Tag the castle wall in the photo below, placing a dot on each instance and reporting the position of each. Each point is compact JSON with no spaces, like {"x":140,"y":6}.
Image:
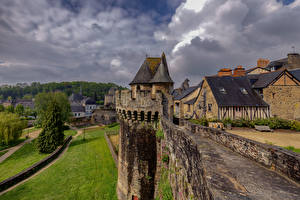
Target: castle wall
{"x":137,"y":161}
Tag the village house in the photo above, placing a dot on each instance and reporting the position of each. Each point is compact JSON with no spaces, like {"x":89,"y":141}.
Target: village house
{"x":291,"y":62}
{"x":78,"y":103}
{"x":229,"y":95}
{"x":281,"y":90}
{"x":260,"y":67}
{"x":184,"y":98}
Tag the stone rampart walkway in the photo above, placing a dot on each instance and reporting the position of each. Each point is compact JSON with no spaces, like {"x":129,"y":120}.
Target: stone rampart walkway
{"x":232,"y":176}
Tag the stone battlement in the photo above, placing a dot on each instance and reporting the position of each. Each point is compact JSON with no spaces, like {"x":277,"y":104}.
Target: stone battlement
{"x":144,"y":107}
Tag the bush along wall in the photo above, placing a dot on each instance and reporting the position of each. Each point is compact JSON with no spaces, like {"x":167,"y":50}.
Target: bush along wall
{"x":273,"y":123}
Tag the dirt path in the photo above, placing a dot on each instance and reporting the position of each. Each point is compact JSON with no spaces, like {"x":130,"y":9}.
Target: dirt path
{"x":281,"y":138}
{"x":12,"y":150}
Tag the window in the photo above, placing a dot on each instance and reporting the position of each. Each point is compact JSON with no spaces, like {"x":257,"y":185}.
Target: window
{"x":244,"y":91}
{"x":209,"y":107}
{"x":189,"y":108}
{"x":222,"y":90}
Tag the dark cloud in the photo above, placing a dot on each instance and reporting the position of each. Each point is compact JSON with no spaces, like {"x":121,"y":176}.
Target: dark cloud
{"x":106,"y":41}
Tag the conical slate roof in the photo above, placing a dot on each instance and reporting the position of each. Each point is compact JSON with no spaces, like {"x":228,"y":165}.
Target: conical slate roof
{"x":153,"y":70}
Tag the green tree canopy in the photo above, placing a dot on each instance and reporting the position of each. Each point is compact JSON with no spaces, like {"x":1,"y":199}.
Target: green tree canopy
{"x":42,"y":101}
{"x":19,"y":109}
{"x":52,"y":134}
{"x":10,"y":109}
{"x":11,"y":127}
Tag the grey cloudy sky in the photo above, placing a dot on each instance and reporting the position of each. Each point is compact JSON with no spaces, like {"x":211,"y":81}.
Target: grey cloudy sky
{"x":106,"y":41}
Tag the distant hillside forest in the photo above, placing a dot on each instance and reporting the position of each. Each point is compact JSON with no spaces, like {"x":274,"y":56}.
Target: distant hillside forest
{"x":28,"y":91}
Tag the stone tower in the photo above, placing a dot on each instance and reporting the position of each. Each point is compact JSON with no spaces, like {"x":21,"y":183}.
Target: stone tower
{"x":139,"y":110}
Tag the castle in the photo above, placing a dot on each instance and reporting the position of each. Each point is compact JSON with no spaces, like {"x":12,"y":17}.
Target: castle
{"x":200,"y":161}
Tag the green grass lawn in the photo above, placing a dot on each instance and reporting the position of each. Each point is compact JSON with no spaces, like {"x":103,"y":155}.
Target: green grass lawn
{"x":70,"y":132}
{"x":85,"y":171}
{"x":20,"y":160}
{"x":291,"y":148}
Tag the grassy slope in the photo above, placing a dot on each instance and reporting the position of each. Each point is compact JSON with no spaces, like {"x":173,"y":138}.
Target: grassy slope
{"x":85,"y":171}
{"x":23,"y":158}
{"x":20,"y":160}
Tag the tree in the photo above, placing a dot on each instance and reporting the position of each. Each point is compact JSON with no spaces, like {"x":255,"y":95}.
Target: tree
{"x":19,"y":109}
{"x":11,"y":127}
{"x":52,"y":134}
{"x":1,"y":108}
{"x":10,"y":109}
{"x":42,"y":100}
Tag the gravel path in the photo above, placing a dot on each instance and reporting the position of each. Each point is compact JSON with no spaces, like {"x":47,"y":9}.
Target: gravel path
{"x":281,"y":138}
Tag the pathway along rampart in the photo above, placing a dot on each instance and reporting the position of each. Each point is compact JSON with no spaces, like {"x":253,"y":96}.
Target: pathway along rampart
{"x":201,"y":168}
{"x":273,"y":157}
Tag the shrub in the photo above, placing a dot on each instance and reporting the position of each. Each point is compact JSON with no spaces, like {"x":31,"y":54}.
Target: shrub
{"x":160,"y":134}
{"x":295,"y":125}
{"x":113,"y":125}
{"x":202,"y":121}
{"x":165,"y":158}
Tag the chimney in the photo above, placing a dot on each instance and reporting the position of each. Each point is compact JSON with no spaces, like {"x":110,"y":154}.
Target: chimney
{"x":293,"y":61}
{"x":239,"y":71}
{"x":261,"y":62}
{"x":225,"y":72}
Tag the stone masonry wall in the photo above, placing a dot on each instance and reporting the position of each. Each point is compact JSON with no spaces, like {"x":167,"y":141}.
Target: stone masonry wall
{"x":137,"y":161}
{"x":284,"y":101}
{"x":186,"y":171}
{"x":275,"y":158}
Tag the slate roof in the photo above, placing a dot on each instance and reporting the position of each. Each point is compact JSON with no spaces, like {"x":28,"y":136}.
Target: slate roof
{"x":265,"y":79}
{"x":295,"y":73}
{"x":277,"y":63}
{"x":186,"y":92}
{"x":233,"y":95}
{"x":191,"y":102}
{"x":153,"y":70}
{"x":90,"y":101}
{"x":77,"y":108}
{"x":75,"y":97}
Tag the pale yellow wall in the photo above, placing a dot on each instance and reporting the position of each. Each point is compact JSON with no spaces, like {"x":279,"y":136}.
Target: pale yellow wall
{"x":258,"y":71}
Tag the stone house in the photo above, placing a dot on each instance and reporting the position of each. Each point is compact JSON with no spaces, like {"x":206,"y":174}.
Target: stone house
{"x":260,"y":67}
{"x":77,"y":110}
{"x":77,"y":100}
{"x":184,"y":98}
{"x":292,"y":61}
{"x":109,"y":98}
{"x":281,"y":90}
{"x":223,"y":97}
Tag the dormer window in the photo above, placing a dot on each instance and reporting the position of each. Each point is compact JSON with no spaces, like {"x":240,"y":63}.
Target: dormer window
{"x":222,"y":90}
{"x":244,"y":91}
